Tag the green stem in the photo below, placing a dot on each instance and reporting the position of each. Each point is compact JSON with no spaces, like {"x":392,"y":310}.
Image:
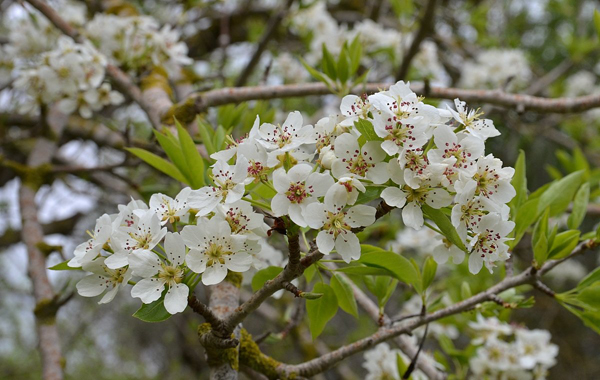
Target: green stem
{"x":257,"y":203}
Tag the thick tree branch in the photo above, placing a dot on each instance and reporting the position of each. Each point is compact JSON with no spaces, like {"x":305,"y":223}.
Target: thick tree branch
{"x":200,"y":102}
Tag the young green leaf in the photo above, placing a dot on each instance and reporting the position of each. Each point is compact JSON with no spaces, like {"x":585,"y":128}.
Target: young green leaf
{"x":158,"y":163}
{"x":400,"y":267}
{"x":465,"y":291}
{"x":328,"y":63}
{"x":64,"y":266}
{"x":153,"y":312}
{"x":564,"y":244}
{"x":597,"y":21}
{"x":591,"y":278}
{"x":539,"y":239}
{"x":172,"y":148}
{"x":195,"y":162}
{"x":263,"y":276}
{"x":321,"y":310}
{"x":366,"y":129}
{"x":316,"y":74}
{"x":580,"y":204}
{"x":560,"y":193}
{"x":526,"y":216}
{"x":206,"y":134}
{"x":365,"y":271}
{"x":445,"y":225}
{"x":519,"y":182}
{"x":429,"y":269}
{"x":342,"y":65}
{"x":344,"y":294}
{"x":355,"y":53}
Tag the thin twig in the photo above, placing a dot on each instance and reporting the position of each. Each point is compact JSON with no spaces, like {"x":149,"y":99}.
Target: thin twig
{"x":121,"y":79}
{"x":274,"y":23}
{"x":427,"y":26}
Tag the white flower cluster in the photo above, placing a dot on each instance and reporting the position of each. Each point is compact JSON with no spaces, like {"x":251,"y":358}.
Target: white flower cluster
{"x":381,"y":364}
{"x":509,"y":352}
{"x":451,"y":169}
{"x":136,"y":244}
{"x":316,"y":174}
{"x":137,"y":42}
{"x":379,"y":43}
{"x":495,"y":68}
{"x":72,"y":76}
{"x":31,"y":34}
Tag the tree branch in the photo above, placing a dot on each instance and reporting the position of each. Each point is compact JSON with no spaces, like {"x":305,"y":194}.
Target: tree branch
{"x":200,"y":102}
{"x":121,"y":79}
{"x":425,"y":363}
{"x":427,"y":27}
{"x":274,"y":23}
{"x":528,"y":276}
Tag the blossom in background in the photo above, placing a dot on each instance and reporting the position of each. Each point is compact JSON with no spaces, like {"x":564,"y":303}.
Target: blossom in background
{"x":496,"y":68}
{"x":507,"y":351}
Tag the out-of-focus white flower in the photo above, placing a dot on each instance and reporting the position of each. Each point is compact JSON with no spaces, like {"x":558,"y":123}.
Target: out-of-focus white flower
{"x":494,"y":68}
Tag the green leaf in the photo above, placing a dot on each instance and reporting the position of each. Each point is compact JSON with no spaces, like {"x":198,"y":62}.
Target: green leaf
{"x":580,"y":204}
{"x":391,"y":288}
{"x":355,"y":53}
{"x":328,"y":63}
{"x":264,"y":275}
{"x":371,"y":193}
{"x":465,"y":291}
{"x":401,"y":366}
{"x":64,"y":266}
{"x":321,"y":310}
{"x":365,"y":271}
{"x":219,"y":138}
{"x":400,"y":267}
{"x":597,"y":21}
{"x":519,"y":182}
{"x":315,"y":73}
{"x":559,"y":194}
{"x":194,"y":161}
{"x":342,"y":65}
{"x":564,"y":243}
{"x":344,"y":294}
{"x":153,"y":312}
{"x":445,"y":225}
{"x":309,"y":273}
{"x":206,"y":134}
{"x":171,"y":146}
{"x":158,"y":163}
{"x":591,"y":296}
{"x":526,"y":216}
{"x":367,"y":130}
{"x":539,"y":239}
{"x":429,"y":269}
{"x":591,"y":278}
